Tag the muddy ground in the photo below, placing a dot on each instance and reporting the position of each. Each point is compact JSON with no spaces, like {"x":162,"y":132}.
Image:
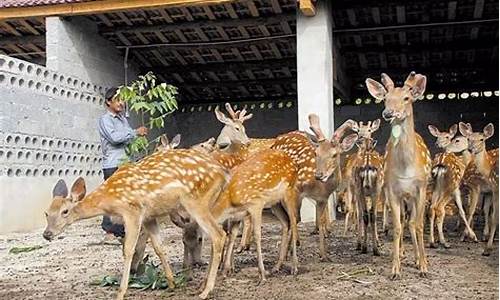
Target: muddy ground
{"x":64,"y":268}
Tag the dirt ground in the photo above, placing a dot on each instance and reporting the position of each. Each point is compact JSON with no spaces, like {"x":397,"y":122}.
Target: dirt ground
{"x":64,"y":268}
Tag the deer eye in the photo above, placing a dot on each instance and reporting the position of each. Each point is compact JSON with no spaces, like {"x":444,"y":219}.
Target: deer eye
{"x":406,"y":98}
{"x":65,"y":212}
{"x":237,"y":129}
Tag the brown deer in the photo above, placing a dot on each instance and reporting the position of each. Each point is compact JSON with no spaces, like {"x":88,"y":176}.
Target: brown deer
{"x":406,"y":164}
{"x":367,"y":181}
{"x":486,"y":165}
{"x":318,"y":169}
{"x":364,"y":131}
{"x":267,"y":179}
{"x":447,"y":173}
{"x":142,"y":192}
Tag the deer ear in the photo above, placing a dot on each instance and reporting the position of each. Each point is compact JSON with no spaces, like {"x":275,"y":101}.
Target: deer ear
{"x":78,"y":189}
{"x":453,"y":129}
{"x":375,"y":125}
{"x":433,"y":130}
{"x":465,"y":129}
{"x":376,"y":89}
{"x":348,"y":142}
{"x":175,"y":141}
{"x":164,"y":140}
{"x":221,"y":116}
{"x":418,"y":89}
{"x":60,"y":189}
{"x":488,"y":130}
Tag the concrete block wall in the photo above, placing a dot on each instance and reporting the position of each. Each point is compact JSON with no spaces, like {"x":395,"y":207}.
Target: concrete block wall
{"x":75,"y":47}
{"x":48,"y":124}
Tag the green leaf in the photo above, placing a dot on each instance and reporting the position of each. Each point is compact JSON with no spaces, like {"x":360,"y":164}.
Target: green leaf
{"x":17,"y":250}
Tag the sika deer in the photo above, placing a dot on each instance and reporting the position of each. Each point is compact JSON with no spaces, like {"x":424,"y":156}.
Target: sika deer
{"x":486,"y":164}
{"x":407,"y":163}
{"x":447,"y":172}
{"x":367,"y":181}
{"x":140,"y":193}
{"x":267,"y":179}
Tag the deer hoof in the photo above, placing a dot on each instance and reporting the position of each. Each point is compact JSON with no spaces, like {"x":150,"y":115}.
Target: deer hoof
{"x":395,"y":276}
{"x":358,"y":246}
{"x":486,"y":252}
{"x":261,"y":281}
{"x":446,"y":245}
{"x":376,"y":252}
{"x":432,"y":245}
{"x":424,"y":275}
{"x":364,"y":249}
{"x":314,"y":232}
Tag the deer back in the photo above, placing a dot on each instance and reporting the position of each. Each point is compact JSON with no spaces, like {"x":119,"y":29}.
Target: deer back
{"x":454,"y":169}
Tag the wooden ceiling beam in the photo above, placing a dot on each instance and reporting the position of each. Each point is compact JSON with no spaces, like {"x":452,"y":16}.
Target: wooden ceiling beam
{"x":22,"y":40}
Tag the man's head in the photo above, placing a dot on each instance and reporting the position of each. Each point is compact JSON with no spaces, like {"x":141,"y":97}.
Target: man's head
{"x":113,"y":102}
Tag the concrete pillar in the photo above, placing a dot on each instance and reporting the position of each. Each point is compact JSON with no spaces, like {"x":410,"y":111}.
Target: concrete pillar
{"x":315,"y":75}
{"x":75,"y":47}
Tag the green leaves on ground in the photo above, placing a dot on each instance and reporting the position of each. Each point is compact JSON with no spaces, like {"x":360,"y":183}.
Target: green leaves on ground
{"x":17,"y":250}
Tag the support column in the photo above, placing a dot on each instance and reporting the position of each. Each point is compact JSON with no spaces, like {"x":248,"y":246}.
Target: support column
{"x":315,"y":75}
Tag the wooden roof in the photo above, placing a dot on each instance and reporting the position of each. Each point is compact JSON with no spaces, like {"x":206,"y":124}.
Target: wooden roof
{"x":246,"y":50}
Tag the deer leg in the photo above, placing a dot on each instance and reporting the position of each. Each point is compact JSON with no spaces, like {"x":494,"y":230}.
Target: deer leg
{"x":433,"y":209}
{"x":320,"y":206}
{"x":440,"y":222}
{"x":229,"y":259}
{"x":246,"y":236}
{"x":396,"y":224}
{"x":283,"y":218}
{"x":256,"y":214}
{"x":153,"y":232}
{"x":413,"y":233}
{"x":458,"y":201}
{"x":348,"y":209}
{"x":132,"y":229}
{"x":493,"y":223}
{"x":471,"y":209}
{"x":420,"y":206}
{"x":290,"y":203}
{"x":486,"y":211}
{"x":139,"y":252}
{"x":373,"y":222}
{"x":217,"y":236}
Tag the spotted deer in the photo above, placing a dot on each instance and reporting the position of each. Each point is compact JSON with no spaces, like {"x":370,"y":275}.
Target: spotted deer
{"x":266,"y":180}
{"x":366,"y":185}
{"x":486,"y":165}
{"x":350,"y":206}
{"x":406,"y":164}
{"x":140,"y":193}
{"x":318,"y":168}
{"x":447,"y":173}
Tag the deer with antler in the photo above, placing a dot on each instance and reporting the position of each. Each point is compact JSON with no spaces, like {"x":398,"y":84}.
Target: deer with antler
{"x":447,"y":173}
{"x":140,"y":193}
{"x":318,"y":168}
{"x":406,"y":165}
{"x":485,"y":164}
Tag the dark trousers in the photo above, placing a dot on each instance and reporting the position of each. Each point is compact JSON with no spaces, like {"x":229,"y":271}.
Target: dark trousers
{"x":117,"y":229}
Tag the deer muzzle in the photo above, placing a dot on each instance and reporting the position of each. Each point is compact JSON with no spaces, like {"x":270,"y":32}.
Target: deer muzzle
{"x":48,"y":235}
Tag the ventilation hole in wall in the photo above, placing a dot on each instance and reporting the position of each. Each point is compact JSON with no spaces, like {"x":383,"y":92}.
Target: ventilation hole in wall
{"x":2,"y":62}
{"x":54,"y":157}
{"x":28,"y":154}
{"x":60,"y":173}
{"x":80,"y":172}
{"x":81,"y":97}
{"x":93,"y":172}
{"x":76,"y":95}
{"x":38,"y":71}
{"x":81,"y":159}
{"x":87,"y":173}
{"x":1,"y":153}
{"x":87,"y":159}
{"x":34,"y":140}
{"x":10,"y":64}
{"x":45,"y":157}
{"x":100,"y":172}
{"x":74,"y":158}
{"x":101,"y":101}
{"x":95,"y":160}
{"x":31,"y":83}
{"x":79,"y":146}
{"x":66,"y":172}
{"x":2,"y":78}
{"x":47,"y":88}
{"x":28,"y":172}
{"x":54,"y":90}
{"x":59,"y":143}
{"x":38,"y":85}
{"x":73,"y":144}
{"x":60,"y":158}
{"x":62,"y":92}
{"x":27,"y":140}
{"x":68,"y":81}
{"x":21,"y":82}
{"x":19,"y":154}
{"x":9,"y":154}
{"x":68,"y":94}
{"x":45,"y":172}
{"x":54,"y":77}
{"x":35,"y":172}
{"x":269,"y":105}
{"x":75,"y":82}
{"x":75,"y":172}
{"x":19,"y":172}
{"x":44,"y":142}
{"x":20,"y":66}
{"x":10,"y":172}
{"x":65,"y":144}
{"x":51,"y":142}
{"x":8,"y":139}
{"x":100,"y":159}
{"x":86,"y":146}
{"x":94,"y":99}
{"x":98,"y":147}
{"x":13,"y":80}
{"x":38,"y":155}
{"x":95,"y":88}
{"x":17,"y":139}
{"x":87,"y":98}
{"x":68,"y":158}
{"x":92,"y":147}
{"x":289,"y":104}
{"x":88,"y":85}
{"x":29,"y":69}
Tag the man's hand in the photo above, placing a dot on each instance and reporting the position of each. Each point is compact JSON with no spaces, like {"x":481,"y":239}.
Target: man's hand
{"x":142,"y":131}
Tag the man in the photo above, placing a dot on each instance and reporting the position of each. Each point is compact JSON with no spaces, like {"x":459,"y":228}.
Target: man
{"x":116,"y":134}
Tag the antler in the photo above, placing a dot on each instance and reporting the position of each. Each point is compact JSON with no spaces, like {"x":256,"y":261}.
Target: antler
{"x":231,"y":112}
{"x":242,"y":115}
{"x":315,"y":127}
{"x":339,"y":133}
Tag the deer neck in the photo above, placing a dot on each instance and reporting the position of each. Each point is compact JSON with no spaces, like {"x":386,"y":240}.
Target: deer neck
{"x":87,"y":208}
{"x":482,"y":163}
{"x":403,"y":147}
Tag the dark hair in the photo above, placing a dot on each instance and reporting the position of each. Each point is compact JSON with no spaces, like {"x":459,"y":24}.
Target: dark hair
{"x":110,"y":93}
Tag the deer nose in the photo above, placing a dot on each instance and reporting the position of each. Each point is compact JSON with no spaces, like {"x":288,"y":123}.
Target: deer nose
{"x":48,"y":235}
{"x":388,"y":114}
{"x":318,"y":175}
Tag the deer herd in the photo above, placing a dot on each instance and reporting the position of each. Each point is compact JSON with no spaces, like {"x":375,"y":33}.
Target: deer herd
{"x":215,"y":186}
